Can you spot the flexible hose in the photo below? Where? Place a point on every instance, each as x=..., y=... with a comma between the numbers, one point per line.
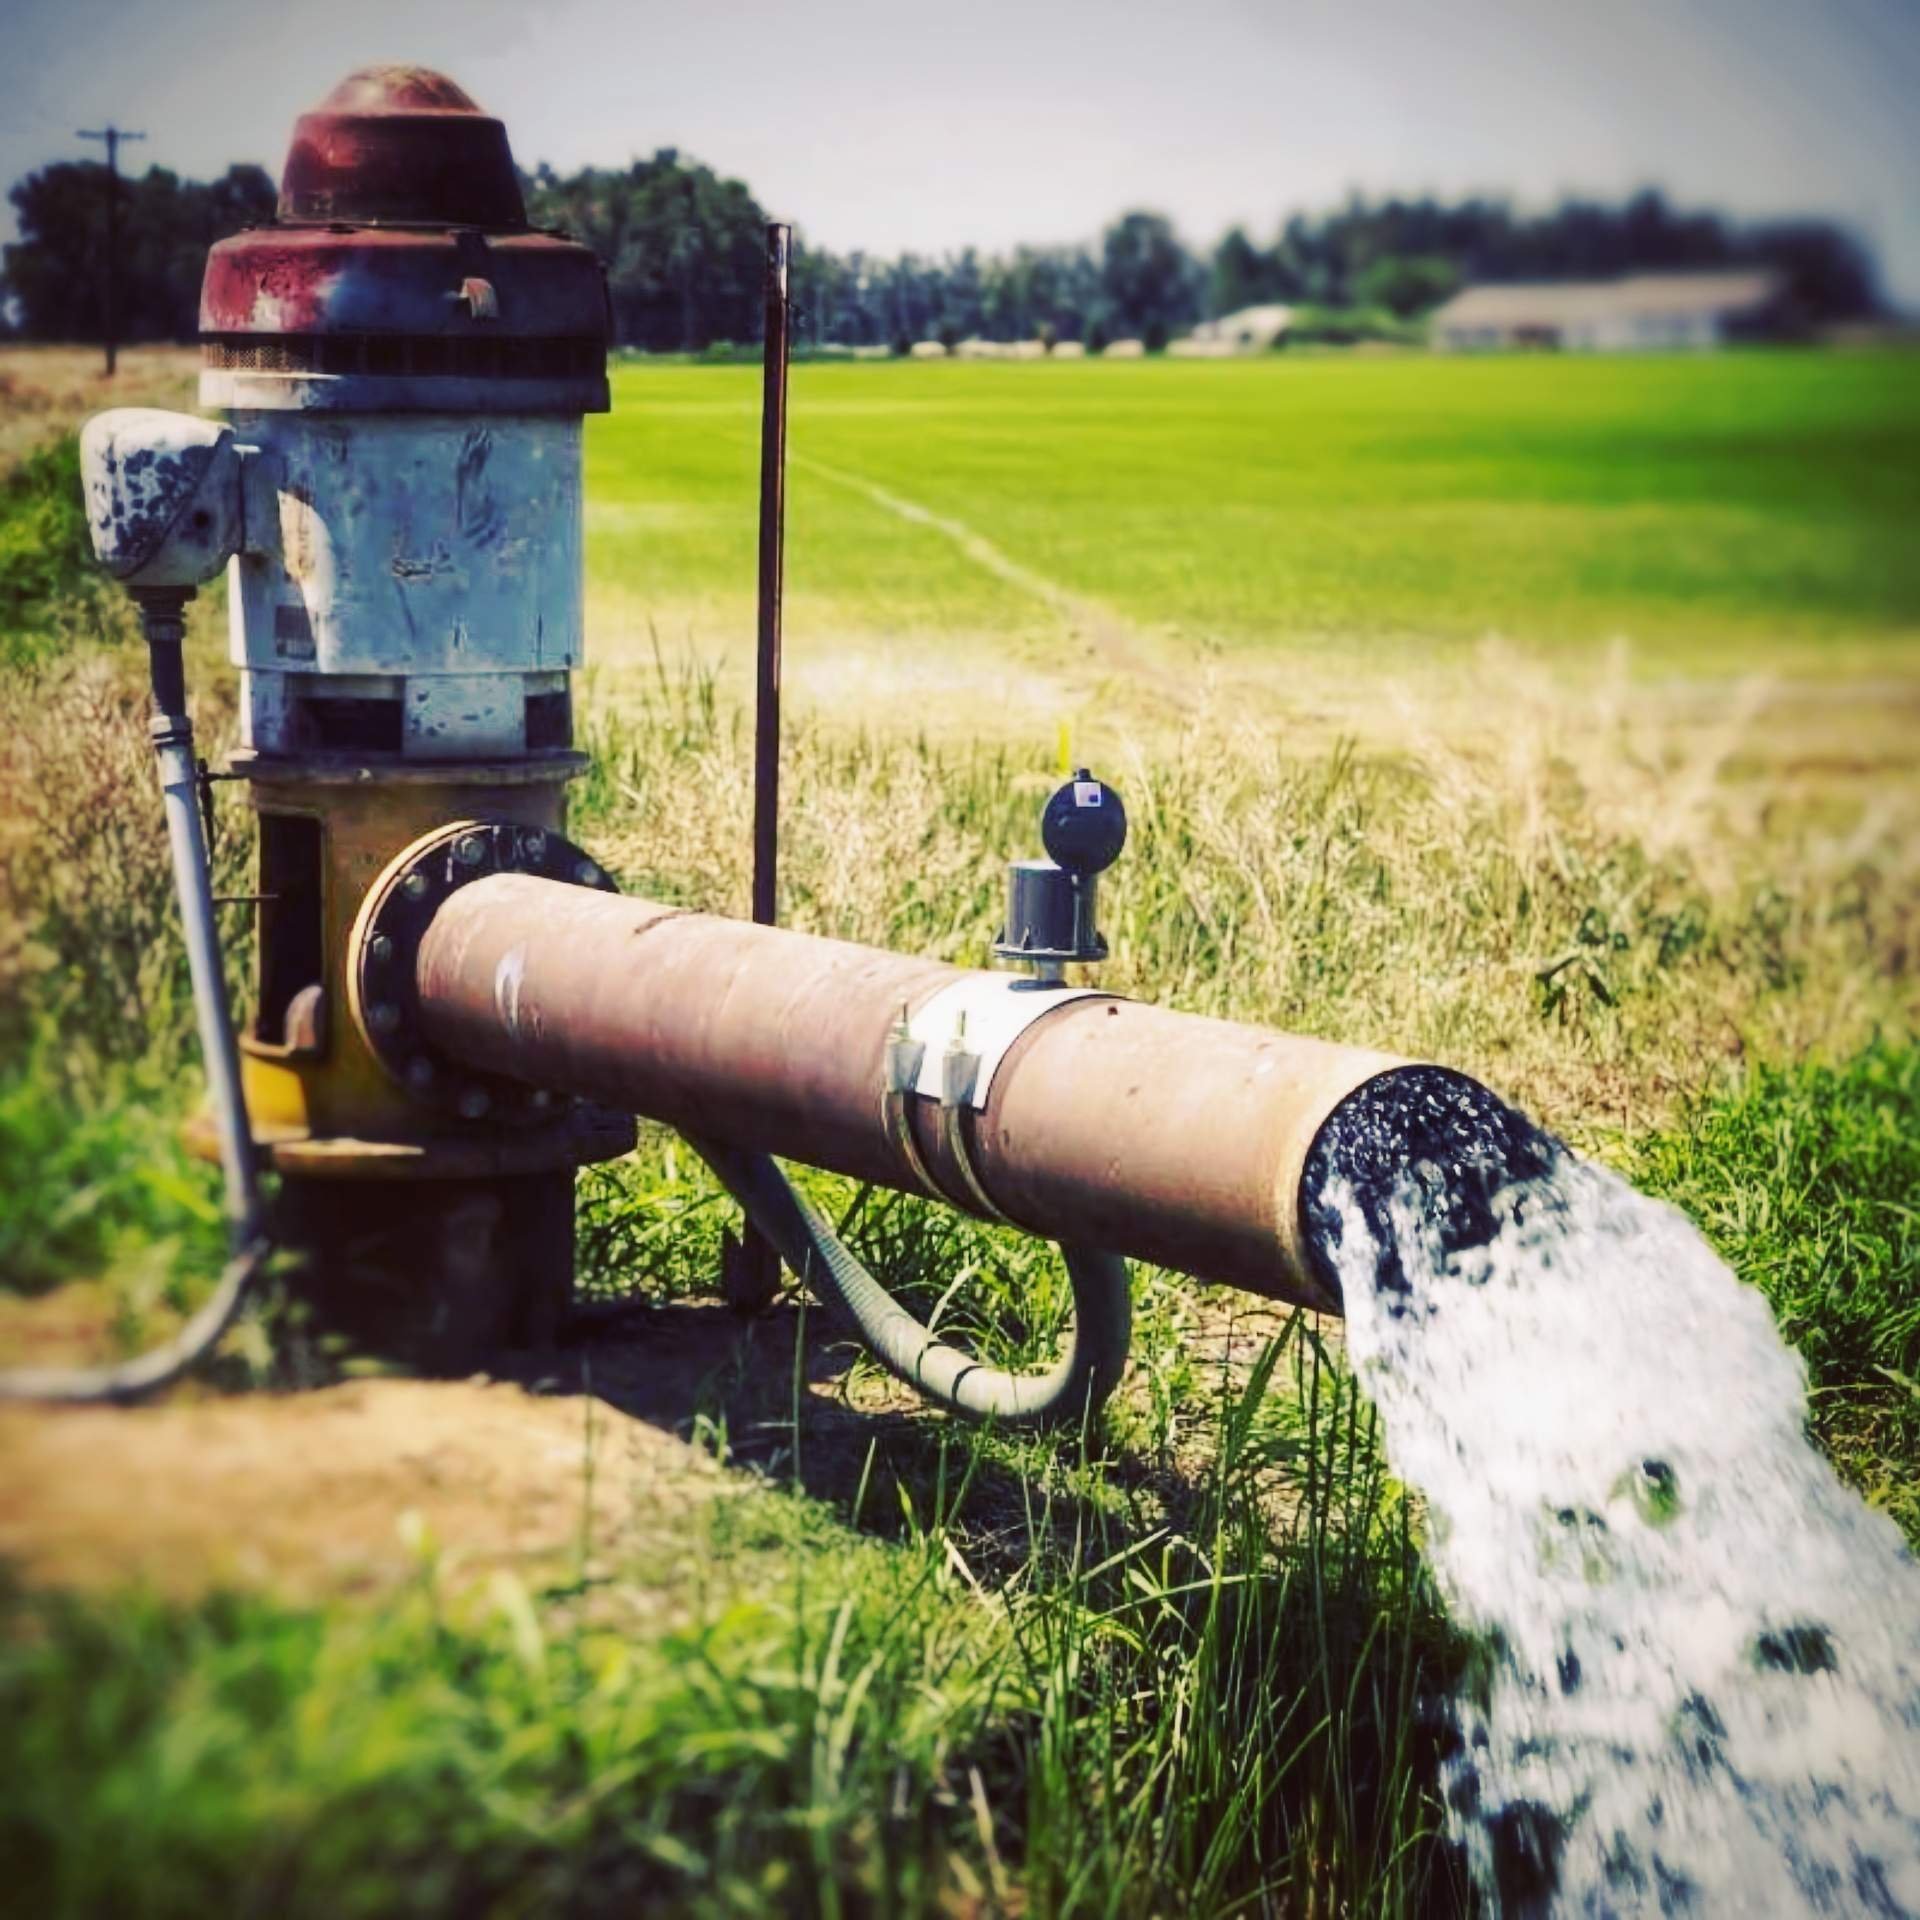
x=157, y=1368
x=193, y=885
x=1068, y=1392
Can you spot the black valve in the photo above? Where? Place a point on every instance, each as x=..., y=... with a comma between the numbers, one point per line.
x=1084, y=826
x=1051, y=903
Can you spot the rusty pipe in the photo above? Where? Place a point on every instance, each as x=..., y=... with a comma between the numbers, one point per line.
x=1109, y=1123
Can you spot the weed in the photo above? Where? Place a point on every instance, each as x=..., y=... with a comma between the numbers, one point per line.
x=50, y=591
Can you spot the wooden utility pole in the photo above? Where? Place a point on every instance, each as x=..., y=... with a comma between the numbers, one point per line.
x=110, y=317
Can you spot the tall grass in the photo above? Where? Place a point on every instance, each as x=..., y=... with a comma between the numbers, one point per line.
x=1596, y=918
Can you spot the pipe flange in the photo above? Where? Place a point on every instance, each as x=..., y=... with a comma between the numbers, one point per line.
x=383, y=992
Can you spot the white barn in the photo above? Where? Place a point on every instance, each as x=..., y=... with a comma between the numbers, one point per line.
x=1251, y=330
x=1647, y=311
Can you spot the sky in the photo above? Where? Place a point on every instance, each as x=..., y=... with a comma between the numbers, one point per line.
x=989, y=123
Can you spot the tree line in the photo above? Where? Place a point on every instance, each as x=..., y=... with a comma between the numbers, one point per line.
x=683, y=250
x=51, y=282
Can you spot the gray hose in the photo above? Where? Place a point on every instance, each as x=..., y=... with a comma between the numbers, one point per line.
x=193, y=885
x=157, y=1368
x=1071, y=1391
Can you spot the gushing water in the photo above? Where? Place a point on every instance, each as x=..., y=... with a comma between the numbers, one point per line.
x=1701, y=1686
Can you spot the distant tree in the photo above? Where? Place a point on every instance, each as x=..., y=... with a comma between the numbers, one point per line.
x=1146, y=274
x=684, y=249
x=1408, y=284
x=54, y=270
x=1243, y=276
x=1007, y=298
x=1829, y=274
x=965, y=290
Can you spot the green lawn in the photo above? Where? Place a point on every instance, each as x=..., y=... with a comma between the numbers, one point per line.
x=1707, y=508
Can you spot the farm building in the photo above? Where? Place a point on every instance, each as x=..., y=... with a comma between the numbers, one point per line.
x=1642, y=310
x=1251, y=330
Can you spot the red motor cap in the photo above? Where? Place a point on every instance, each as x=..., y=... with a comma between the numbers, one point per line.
x=400, y=274
x=400, y=146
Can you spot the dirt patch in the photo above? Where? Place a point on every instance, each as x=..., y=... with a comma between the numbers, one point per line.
x=591, y=1456
x=338, y=1491
x=587, y=1459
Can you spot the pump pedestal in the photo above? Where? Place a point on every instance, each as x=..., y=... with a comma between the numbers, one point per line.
x=405, y=364
x=438, y=1273
x=430, y=1222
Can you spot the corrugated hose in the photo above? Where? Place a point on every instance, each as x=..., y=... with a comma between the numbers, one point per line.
x=1069, y=1392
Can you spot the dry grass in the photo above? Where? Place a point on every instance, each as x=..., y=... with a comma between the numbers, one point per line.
x=47, y=391
x=1591, y=911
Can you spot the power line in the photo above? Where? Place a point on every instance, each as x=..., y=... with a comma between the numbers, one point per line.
x=112, y=136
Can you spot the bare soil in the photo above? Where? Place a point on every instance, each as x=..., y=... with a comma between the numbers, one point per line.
x=597, y=1454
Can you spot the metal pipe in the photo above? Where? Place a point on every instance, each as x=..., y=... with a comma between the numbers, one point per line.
x=1107, y=1123
x=219, y=1050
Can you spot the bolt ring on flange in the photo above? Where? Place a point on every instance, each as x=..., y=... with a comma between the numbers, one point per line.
x=383, y=992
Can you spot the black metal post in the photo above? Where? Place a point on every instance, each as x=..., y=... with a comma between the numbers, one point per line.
x=110, y=311
x=750, y=1272
x=773, y=517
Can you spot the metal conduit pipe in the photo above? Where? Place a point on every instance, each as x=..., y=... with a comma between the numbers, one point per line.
x=172, y=734
x=1106, y=1123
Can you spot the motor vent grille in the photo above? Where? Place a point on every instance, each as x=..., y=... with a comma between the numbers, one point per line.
x=470, y=357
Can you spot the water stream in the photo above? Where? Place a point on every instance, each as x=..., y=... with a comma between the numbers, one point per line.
x=1700, y=1691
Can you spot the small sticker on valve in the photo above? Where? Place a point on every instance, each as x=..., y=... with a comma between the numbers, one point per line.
x=1086, y=793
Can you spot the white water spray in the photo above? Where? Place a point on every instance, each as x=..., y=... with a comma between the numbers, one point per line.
x=1701, y=1687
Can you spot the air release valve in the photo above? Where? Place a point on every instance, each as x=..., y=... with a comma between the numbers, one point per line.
x=1051, y=902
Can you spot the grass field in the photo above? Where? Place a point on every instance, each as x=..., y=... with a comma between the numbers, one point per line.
x=1553, y=718
x=1317, y=518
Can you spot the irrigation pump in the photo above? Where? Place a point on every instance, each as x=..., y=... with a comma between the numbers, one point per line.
x=453, y=1008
